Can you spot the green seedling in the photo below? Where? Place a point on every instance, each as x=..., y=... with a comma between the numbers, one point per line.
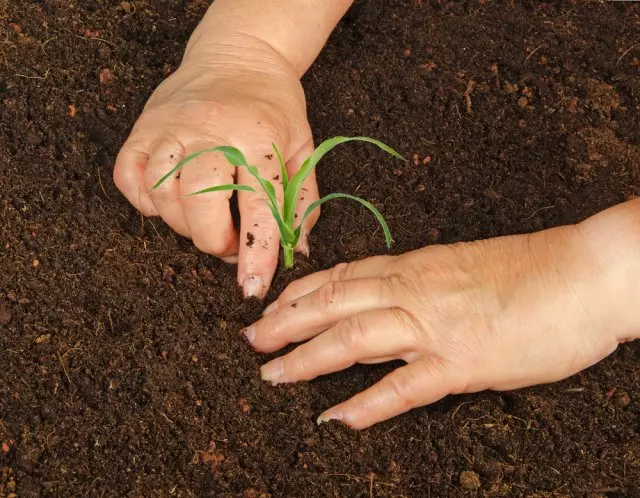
x=285, y=215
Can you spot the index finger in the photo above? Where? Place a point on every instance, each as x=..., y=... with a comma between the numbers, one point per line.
x=259, y=234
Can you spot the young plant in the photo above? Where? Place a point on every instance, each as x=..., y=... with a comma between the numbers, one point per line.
x=285, y=215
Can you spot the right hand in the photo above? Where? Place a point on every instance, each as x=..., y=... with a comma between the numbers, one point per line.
x=240, y=93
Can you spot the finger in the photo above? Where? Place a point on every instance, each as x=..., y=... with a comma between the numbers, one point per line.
x=308, y=194
x=419, y=383
x=165, y=155
x=377, y=266
x=208, y=216
x=128, y=176
x=318, y=311
x=259, y=234
x=372, y=334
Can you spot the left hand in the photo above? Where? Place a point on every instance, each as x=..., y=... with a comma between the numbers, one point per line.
x=498, y=314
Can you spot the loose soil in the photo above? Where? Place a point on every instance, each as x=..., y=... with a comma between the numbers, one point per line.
x=121, y=369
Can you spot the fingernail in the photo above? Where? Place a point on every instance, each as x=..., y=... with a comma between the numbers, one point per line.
x=328, y=416
x=272, y=307
x=272, y=371
x=253, y=286
x=250, y=334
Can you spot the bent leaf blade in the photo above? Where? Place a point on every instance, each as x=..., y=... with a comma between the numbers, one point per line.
x=222, y=188
x=295, y=184
x=233, y=155
x=283, y=167
x=368, y=205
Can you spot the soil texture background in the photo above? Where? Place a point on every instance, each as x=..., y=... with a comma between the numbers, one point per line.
x=121, y=369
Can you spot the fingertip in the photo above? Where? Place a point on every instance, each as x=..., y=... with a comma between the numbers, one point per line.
x=328, y=416
x=254, y=286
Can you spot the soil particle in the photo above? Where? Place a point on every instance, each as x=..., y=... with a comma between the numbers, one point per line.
x=622, y=400
x=250, y=239
x=470, y=480
x=5, y=314
x=107, y=77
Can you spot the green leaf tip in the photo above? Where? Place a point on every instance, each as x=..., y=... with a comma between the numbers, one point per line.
x=367, y=204
x=231, y=154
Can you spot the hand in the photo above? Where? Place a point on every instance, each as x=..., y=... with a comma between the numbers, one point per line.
x=239, y=92
x=499, y=314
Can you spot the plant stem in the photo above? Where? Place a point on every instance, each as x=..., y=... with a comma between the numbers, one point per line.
x=288, y=256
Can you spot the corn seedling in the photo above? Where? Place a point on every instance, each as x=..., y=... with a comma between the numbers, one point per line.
x=285, y=214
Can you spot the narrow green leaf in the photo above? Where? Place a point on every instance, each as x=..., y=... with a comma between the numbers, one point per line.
x=368, y=205
x=220, y=188
x=233, y=155
x=283, y=168
x=295, y=183
x=286, y=233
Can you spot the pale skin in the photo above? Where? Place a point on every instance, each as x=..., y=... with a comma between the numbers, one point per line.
x=497, y=314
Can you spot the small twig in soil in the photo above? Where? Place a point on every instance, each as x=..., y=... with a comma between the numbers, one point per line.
x=158, y=233
x=110, y=322
x=64, y=369
x=165, y=416
x=558, y=489
x=532, y=52
x=537, y=211
x=361, y=479
x=453, y=415
x=46, y=75
x=626, y=52
x=102, y=186
x=471, y=84
x=45, y=42
x=99, y=39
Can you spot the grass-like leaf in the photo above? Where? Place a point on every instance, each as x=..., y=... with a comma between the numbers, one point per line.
x=285, y=215
x=295, y=184
x=221, y=188
x=368, y=205
x=283, y=168
x=233, y=155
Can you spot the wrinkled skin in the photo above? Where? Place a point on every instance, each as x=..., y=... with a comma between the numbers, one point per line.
x=247, y=96
x=498, y=314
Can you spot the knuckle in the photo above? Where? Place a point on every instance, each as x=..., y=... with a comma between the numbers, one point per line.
x=300, y=364
x=210, y=245
x=330, y=293
x=340, y=272
x=352, y=333
x=399, y=385
x=408, y=325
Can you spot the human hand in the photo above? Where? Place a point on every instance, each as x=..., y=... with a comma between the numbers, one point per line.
x=498, y=314
x=238, y=92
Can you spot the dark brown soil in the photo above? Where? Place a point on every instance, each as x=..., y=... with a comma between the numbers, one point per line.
x=121, y=369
